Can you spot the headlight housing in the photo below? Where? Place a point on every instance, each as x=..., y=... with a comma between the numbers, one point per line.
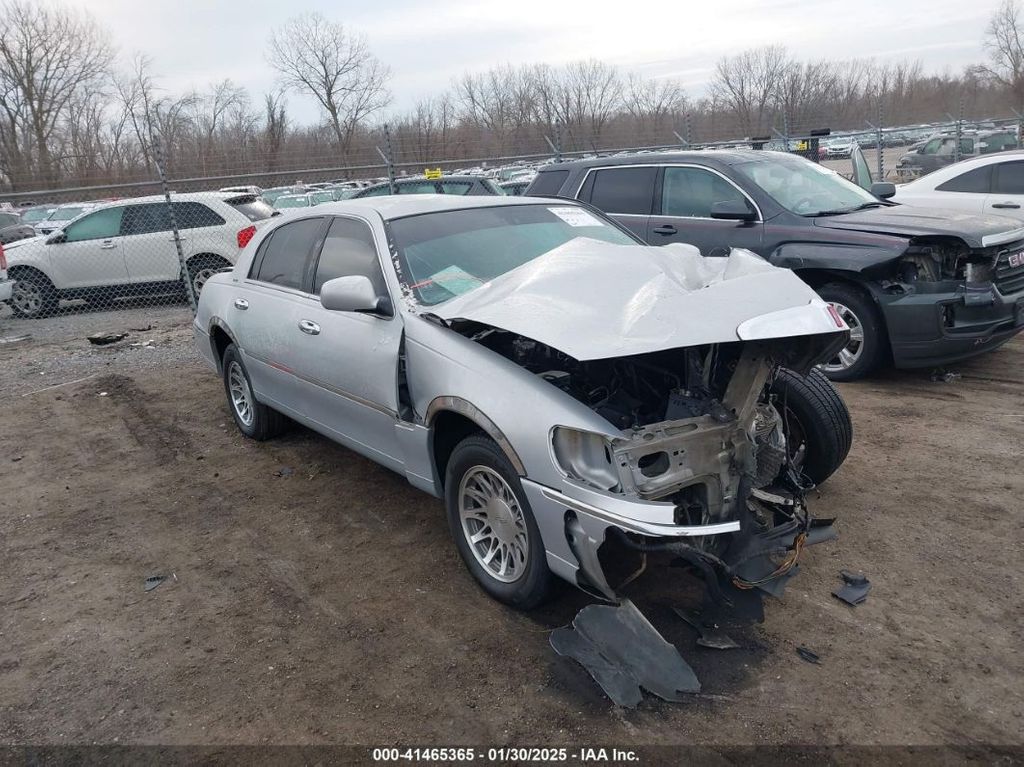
x=584, y=456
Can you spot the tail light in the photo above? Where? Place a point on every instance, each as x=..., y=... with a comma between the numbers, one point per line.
x=245, y=235
x=3, y=260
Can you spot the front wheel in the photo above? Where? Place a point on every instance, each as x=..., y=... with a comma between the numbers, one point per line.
x=33, y=295
x=816, y=422
x=863, y=352
x=493, y=525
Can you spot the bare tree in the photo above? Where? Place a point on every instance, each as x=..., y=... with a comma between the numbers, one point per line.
x=324, y=60
x=1005, y=46
x=275, y=128
x=747, y=83
x=48, y=55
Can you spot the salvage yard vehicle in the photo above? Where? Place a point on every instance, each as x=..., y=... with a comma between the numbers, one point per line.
x=59, y=216
x=127, y=249
x=6, y=285
x=13, y=228
x=918, y=287
x=496, y=353
x=992, y=183
x=940, y=150
x=463, y=185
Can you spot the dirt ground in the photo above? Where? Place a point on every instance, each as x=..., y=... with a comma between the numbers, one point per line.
x=314, y=597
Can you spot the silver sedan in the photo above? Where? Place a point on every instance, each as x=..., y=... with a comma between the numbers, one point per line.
x=563, y=388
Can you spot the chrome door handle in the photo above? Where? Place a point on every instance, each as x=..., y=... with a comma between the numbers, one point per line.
x=108, y=245
x=309, y=327
x=241, y=303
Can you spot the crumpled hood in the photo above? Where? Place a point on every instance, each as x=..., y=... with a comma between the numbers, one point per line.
x=594, y=300
x=978, y=231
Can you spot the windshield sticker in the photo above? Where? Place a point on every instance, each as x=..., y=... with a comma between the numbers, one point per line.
x=575, y=216
x=455, y=280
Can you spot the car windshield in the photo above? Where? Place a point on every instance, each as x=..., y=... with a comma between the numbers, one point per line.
x=443, y=255
x=65, y=214
x=35, y=214
x=804, y=187
x=292, y=202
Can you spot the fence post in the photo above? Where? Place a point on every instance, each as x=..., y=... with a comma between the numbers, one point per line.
x=388, y=159
x=880, y=140
x=556, y=145
x=682, y=142
x=785, y=130
x=186, y=278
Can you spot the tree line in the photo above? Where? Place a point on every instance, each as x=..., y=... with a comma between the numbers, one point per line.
x=73, y=114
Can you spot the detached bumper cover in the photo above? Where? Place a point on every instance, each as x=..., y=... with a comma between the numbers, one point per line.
x=941, y=323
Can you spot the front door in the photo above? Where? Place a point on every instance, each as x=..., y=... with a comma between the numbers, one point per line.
x=89, y=252
x=349, y=360
x=683, y=212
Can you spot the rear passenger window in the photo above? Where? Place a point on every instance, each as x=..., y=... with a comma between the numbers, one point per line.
x=284, y=257
x=624, y=190
x=548, y=182
x=1010, y=178
x=977, y=180
x=349, y=250
x=195, y=215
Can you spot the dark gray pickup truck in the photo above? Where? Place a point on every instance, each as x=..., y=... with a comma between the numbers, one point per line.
x=917, y=287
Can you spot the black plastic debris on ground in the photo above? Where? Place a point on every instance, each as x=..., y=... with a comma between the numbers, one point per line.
x=710, y=634
x=153, y=581
x=809, y=655
x=855, y=589
x=102, y=339
x=625, y=654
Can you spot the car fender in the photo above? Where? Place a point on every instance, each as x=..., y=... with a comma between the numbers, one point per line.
x=835, y=256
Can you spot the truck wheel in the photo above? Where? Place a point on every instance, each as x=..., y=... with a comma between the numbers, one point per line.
x=254, y=419
x=816, y=421
x=493, y=525
x=868, y=339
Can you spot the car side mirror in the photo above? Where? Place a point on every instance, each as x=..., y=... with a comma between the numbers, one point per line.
x=57, y=238
x=883, y=190
x=352, y=294
x=732, y=210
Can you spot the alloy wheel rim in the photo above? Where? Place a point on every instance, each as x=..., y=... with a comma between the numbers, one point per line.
x=27, y=297
x=200, y=279
x=241, y=396
x=493, y=524
x=847, y=357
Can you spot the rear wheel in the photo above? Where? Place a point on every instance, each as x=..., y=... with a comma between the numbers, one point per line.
x=493, y=525
x=202, y=268
x=33, y=295
x=254, y=419
x=867, y=343
x=817, y=423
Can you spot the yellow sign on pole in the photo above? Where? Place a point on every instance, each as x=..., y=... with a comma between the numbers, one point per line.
x=432, y=172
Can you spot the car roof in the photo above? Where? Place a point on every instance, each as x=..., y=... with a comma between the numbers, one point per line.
x=703, y=156
x=390, y=207
x=175, y=197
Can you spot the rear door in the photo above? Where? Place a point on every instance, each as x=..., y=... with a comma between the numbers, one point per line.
x=148, y=241
x=1007, y=196
x=625, y=192
x=685, y=196
x=91, y=251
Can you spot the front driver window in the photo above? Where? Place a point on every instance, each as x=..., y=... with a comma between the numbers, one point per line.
x=347, y=251
x=101, y=225
x=690, y=192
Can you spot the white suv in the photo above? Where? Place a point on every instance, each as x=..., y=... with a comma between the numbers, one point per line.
x=127, y=248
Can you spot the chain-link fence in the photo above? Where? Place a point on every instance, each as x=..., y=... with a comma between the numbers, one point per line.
x=93, y=249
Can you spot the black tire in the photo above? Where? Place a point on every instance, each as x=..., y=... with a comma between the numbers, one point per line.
x=533, y=585
x=865, y=314
x=202, y=267
x=817, y=422
x=34, y=295
x=257, y=421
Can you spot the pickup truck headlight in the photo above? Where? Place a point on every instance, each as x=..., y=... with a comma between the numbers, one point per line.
x=585, y=456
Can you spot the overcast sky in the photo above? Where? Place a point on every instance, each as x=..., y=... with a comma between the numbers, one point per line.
x=426, y=44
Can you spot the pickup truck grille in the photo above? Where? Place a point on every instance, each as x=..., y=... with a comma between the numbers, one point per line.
x=1010, y=271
